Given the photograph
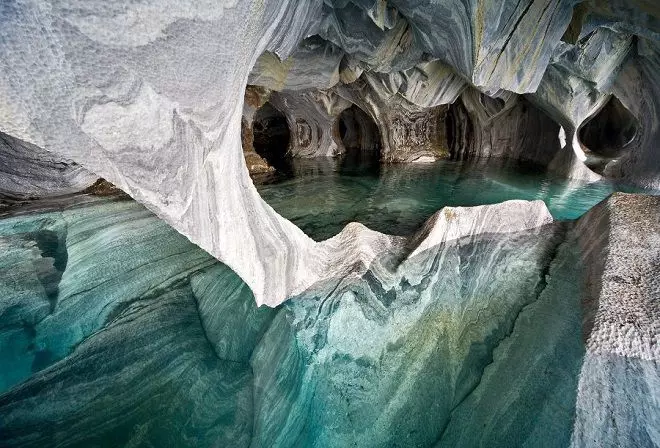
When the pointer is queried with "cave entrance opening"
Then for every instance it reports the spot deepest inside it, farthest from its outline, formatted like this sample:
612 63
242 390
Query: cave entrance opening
361 139
458 131
608 134
272 137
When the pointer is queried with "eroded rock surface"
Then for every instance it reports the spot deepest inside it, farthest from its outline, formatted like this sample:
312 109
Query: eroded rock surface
620 378
27 171
158 109
189 327
486 327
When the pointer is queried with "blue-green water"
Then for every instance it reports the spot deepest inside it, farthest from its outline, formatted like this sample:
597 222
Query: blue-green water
117 331
323 196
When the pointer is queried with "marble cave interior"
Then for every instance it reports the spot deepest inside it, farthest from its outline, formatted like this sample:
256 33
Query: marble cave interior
330 223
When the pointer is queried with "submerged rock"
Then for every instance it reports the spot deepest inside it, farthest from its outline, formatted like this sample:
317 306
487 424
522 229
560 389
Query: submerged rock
385 358
149 376
483 329
114 331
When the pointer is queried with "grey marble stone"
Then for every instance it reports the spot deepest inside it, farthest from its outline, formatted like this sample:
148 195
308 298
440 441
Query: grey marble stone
492 325
27 171
150 96
617 400
510 128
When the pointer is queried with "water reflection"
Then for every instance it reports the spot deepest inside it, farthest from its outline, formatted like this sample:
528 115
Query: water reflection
321 196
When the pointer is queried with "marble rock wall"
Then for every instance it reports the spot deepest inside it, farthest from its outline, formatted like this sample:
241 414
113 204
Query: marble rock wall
407 133
511 127
491 325
27 171
613 53
313 121
155 105
181 355
114 332
620 376
638 89
157 110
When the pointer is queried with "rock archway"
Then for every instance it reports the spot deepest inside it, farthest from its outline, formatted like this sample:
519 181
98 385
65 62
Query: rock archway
608 134
272 137
360 136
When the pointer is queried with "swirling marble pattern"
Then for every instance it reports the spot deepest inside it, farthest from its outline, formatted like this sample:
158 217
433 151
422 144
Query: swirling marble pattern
150 95
28 171
469 333
505 128
383 360
181 368
181 155
313 121
179 336
77 292
136 319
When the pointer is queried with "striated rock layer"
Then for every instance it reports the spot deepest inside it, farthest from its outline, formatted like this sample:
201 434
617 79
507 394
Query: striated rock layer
150 96
617 401
482 328
27 171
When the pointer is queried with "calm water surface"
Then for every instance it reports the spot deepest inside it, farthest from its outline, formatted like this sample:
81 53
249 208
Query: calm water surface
322 196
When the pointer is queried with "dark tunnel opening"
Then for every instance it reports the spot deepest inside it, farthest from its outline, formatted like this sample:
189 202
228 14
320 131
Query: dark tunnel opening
609 133
458 131
491 105
360 137
272 137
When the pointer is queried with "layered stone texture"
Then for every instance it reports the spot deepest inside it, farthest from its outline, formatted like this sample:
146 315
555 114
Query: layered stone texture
619 379
511 128
151 98
408 133
101 295
609 60
386 359
74 291
637 89
481 328
313 118
178 337
477 328
27 171
157 112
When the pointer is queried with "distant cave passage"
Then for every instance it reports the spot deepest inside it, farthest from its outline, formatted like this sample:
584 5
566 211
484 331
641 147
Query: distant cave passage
459 131
610 131
360 135
272 137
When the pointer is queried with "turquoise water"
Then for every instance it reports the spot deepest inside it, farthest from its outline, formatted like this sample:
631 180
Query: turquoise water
117 331
322 197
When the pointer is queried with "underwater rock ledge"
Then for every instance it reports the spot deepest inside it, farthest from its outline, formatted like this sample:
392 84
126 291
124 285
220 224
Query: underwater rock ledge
497 334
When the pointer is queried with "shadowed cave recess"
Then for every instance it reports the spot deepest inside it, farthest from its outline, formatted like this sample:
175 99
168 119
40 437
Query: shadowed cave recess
330 223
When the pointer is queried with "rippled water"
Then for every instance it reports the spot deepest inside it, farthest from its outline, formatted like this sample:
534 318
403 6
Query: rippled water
322 196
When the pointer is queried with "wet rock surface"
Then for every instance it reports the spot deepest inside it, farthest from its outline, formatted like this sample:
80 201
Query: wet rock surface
401 309
496 334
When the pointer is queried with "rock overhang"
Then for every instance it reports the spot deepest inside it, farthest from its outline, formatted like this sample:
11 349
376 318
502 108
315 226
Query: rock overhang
157 109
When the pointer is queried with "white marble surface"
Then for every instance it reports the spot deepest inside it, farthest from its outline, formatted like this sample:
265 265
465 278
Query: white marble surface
149 95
